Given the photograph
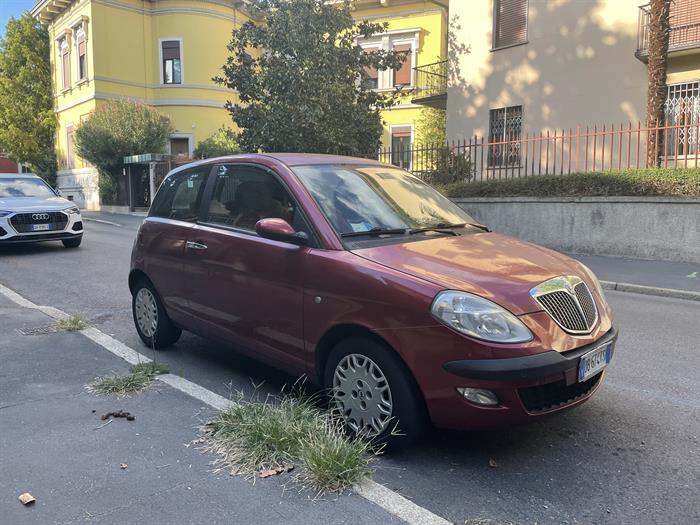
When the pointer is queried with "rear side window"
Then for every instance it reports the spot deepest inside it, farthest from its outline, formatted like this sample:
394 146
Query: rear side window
245 194
180 195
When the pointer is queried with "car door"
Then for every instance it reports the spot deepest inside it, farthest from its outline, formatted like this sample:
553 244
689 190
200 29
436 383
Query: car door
164 233
248 290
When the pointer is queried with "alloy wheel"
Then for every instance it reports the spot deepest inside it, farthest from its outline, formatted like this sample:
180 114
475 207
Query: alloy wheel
361 394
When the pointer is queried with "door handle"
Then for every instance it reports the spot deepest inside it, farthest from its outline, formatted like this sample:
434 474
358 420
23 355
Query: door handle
193 245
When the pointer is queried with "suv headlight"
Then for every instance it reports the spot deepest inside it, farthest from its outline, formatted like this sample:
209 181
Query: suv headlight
478 317
72 210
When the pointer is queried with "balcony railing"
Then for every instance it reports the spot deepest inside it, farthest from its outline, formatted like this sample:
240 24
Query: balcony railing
431 84
685 27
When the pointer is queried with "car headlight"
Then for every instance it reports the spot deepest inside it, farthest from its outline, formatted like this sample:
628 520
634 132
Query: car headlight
478 317
4 213
72 210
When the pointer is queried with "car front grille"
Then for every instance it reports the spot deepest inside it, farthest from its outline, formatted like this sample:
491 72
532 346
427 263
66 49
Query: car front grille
23 222
569 302
542 398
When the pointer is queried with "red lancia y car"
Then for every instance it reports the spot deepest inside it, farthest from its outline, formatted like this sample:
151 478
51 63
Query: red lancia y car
367 280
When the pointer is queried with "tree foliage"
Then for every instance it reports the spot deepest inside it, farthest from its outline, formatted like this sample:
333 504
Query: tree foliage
221 143
301 79
27 120
117 129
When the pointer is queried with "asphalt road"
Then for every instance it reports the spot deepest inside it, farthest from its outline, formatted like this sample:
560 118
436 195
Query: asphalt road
630 455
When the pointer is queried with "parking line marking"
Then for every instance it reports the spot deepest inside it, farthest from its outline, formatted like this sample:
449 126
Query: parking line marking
101 221
387 499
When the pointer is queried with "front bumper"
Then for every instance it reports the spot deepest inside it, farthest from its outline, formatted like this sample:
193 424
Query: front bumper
10 233
527 388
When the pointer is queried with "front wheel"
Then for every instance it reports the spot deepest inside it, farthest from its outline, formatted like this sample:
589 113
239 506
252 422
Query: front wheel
153 325
374 392
72 243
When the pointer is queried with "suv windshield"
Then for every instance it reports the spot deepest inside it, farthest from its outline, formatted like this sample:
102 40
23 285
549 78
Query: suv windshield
378 199
24 187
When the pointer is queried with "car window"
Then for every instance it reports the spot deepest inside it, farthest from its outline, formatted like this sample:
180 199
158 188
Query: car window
24 187
244 194
180 195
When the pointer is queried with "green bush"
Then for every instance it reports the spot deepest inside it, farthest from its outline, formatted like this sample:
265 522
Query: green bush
450 168
221 143
643 182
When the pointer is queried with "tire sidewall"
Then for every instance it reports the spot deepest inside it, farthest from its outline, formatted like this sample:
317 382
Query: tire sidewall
408 410
165 334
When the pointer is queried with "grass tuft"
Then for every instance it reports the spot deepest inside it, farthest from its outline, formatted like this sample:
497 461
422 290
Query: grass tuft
74 323
119 385
283 432
150 369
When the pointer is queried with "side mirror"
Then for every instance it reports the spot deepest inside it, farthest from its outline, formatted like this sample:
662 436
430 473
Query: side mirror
280 230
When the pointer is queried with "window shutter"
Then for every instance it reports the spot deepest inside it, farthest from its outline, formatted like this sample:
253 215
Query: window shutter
401 131
81 48
65 58
511 22
371 71
171 50
402 76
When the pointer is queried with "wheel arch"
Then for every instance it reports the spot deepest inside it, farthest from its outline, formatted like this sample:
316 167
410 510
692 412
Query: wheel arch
135 276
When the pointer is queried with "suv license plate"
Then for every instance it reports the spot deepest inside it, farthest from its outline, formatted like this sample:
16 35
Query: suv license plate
40 227
594 361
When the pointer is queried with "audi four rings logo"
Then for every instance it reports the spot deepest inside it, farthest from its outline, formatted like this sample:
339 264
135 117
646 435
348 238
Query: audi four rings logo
41 216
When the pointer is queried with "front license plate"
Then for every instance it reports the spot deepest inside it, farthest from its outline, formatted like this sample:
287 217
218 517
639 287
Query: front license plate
40 227
594 361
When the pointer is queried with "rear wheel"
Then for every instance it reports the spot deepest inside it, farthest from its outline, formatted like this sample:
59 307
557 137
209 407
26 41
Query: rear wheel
72 243
374 392
153 325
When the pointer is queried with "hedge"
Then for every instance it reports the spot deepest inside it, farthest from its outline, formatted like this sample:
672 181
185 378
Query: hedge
646 182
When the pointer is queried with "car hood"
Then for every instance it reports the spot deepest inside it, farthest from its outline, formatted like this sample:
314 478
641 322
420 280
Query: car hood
34 204
491 265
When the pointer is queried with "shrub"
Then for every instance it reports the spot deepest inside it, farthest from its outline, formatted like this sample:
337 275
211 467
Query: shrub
115 130
643 182
451 167
221 143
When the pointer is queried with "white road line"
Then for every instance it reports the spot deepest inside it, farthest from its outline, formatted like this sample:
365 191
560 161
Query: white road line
378 494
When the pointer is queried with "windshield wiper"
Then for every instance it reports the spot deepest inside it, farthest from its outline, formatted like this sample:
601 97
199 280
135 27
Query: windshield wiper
375 232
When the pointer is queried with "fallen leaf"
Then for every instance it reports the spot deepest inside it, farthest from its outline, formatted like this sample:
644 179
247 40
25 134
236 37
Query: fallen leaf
692 275
492 463
267 473
123 466
26 498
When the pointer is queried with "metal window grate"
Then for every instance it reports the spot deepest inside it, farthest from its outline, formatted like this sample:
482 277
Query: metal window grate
505 130
682 108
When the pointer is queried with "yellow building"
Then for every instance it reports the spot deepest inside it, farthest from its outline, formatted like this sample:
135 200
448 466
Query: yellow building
165 53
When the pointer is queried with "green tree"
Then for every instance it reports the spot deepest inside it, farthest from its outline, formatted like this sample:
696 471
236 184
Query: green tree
432 127
221 143
117 129
301 79
27 119
659 29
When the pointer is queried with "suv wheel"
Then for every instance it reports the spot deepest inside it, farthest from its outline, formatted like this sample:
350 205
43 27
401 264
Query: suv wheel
374 392
72 243
153 325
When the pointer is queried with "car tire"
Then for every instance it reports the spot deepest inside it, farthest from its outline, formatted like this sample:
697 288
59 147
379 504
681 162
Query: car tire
72 243
152 323
374 365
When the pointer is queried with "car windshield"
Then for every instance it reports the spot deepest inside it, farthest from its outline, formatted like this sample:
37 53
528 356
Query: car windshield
24 187
359 199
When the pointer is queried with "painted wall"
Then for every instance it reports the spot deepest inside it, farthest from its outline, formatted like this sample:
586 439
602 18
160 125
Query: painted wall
578 67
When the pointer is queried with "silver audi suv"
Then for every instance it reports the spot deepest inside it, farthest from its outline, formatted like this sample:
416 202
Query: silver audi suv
31 211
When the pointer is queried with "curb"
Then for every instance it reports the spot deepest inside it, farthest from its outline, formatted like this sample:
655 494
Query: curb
651 290
101 221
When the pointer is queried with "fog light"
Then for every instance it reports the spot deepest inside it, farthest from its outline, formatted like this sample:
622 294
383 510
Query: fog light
480 396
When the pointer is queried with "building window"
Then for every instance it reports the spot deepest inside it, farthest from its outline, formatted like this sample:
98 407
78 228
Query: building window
172 63
401 146
372 79
505 131
510 23
70 147
64 50
403 75
682 108
81 45
180 147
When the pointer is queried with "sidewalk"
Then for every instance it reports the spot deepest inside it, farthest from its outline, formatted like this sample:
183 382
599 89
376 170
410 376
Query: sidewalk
658 274
54 445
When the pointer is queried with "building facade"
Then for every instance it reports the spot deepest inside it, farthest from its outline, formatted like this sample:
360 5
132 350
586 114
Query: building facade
166 52
538 65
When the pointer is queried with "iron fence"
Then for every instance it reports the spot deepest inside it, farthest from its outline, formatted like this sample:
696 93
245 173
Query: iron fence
608 147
